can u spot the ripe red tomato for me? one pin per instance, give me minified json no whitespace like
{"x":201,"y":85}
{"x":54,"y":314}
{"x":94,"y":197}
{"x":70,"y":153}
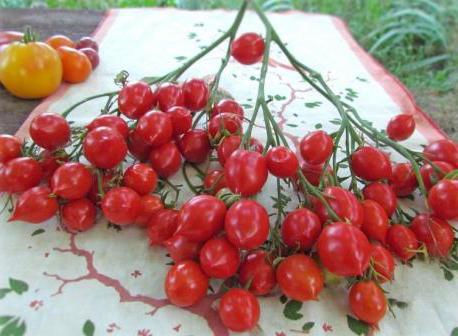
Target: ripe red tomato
{"x":155,"y":128}
{"x":443,"y":199}
{"x":3,"y":186}
{"x":227,"y":106}
{"x":435,"y":233}
{"x":431,"y":175}
{"x":400,"y":127}
{"x":301,"y":229}
{"x":195,"y":146}
{"x":108,"y":181}
{"x":383,"y":263}
{"x":10,"y":147}
{"x":383,"y":194}
{"x":169,"y":95}
{"x":314,"y":173}
{"x":162,"y":226}
{"x":137,"y":147}
{"x":92,"y":55}
{"x":300,"y":278}
{"x":442,"y":150}
{"x":71,"y":181}
{"x":344,"y":249}
{"x":316,"y":147}
{"x":166,"y":159}
{"x":181,"y":119}
{"x":402,"y":241}
{"x":116,"y":123}
{"x":239,"y":310}
{"x":248,"y":48}
{"x":257,"y":271}
{"x":87,"y":42}
{"x":375,"y":224}
{"x":201,"y":218}
{"x":231,"y":143}
{"x":35,"y":205}
{"x":247,"y":224}
{"x":78,"y":215}
{"x":141,"y":178}
{"x":224,"y":124}
{"x":50,"y":161}
{"x":185,"y":284}
{"x":149,"y":205}
{"x":50,"y":131}
{"x":219,"y":258}
{"x":195,"y":93}
{"x":344,"y":204}
{"x":403,"y":179}
{"x":214,"y":181}
{"x":121,"y":205}
{"x":181,"y":248}
{"x":21,"y":174}
{"x":370,"y":163}
{"x":245,"y":172}
{"x":97,"y":143}
{"x":282,"y":162}
{"x":367,"y":301}
{"x":135,"y":99}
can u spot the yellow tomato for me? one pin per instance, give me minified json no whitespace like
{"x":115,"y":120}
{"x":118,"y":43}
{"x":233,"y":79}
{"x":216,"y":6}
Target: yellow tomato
{"x":30,"y":70}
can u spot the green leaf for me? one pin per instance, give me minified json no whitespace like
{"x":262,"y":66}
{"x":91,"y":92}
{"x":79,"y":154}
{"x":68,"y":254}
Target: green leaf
{"x":308,"y":326}
{"x":291,"y":125}
{"x":318,"y":126}
{"x":247,"y":106}
{"x":313,"y":104}
{"x":3,"y":292}
{"x":192,"y":35}
{"x":18,"y":286}
{"x":283,"y":299}
{"x":357,"y":326}
{"x":180,"y":58}
{"x":88,"y":328}
{"x":37,"y":232}
{"x":13,"y":328}
{"x":278,"y":97}
{"x":454,"y":332}
{"x":447,"y":274}
{"x":291,"y":310}
{"x":4,"y":319}
{"x":397,"y":303}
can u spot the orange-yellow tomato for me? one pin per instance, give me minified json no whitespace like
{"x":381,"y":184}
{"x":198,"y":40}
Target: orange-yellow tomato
{"x":76,"y":65}
{"x":57,"y":41}
{"x":30,"y":70}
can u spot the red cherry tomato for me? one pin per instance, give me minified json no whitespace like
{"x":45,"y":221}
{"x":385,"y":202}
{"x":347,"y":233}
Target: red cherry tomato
{"x":375,"y":223}
{"x":383,"y":194}
{"x":248,"y":48}
{"x":155,"y":128}
{"x":137,"y":147}
{"x":223,"y":124}
{"x":316,"y":147}
{"x":201,"y":218}
{"x":104,"y":148}
{"x":185,"y":284}
{"x":442,"y":150}
{"x":403,"y":179}
{"x":181,"y":248}
{"x":169,"y":95}
{"x":247,"y":224}
{"x":162,"y":226}
{"x":239,"y":310}
{"x":258,"y":271}
{"x":435,"y":233}
{"x":402,"y":242}
{"x":344,"y":204}
{"x":71,"y":181}
{"x":34,"y":206}
{"x":219,"y":258}
{"x":181,"y":119}
{"x":245,"y":172}
{"x":79,"y":215}
{"x":195,"y":146}
{"x":149,"y":205}
{"x":370,"y":163}
{"x":116,"y":123}
{"x":135,"y":99}
{"x":383,"y":263}
{"x":231,"y":143}
{"x":87,"y":42}
{"x":344,"y":249}
{"x":227,"y":106}
{"x":121,"y":205}
{"x":282,"y":162}
{"x":214,"y":181}
{"x":50,"y":131}
{"x":92,"y":55}
{"x":314,"y":173}
{"x":141,"y":178}
{"x":400,"y":127}
{"x":166,"y":159}
{"x":301,"y":229}
{"x":433,"y":174}
{"x":300,"y":278}
{"x":10,"y":147}
{"x":3,"y":186}
{"x":443,"y":199}
{"x":21,"y":174}
{"x":50,"y":161}
{"x":108,"y":181}
{"x":367,"y":301}
{"x":195,"y":93}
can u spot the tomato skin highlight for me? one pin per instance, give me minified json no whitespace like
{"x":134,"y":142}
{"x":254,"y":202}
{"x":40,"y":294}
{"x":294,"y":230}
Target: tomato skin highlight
{"x":35,"y":206}
{"x":370,"y":164}
{"x":155,"y":128}
{"x":50,"y":131}
{"x":21,"y":174}
{"x":71,"y":181}
{"x":135,"y":99}
{"x":121,"y":205}
{"x":402,"y":242}
{"x":400,"y":127}
{"x":95,"y":147}
{"x":165,"y":159}
{"x":367,"y":301}
{"x":257,"y":269}
{"x":282,"y":162}
{"x":239,"y":310}
{"x":78,"y":215}
{"x":248,"y":48}
{"x":316,"y":147}
{"x":383,"y":194}
{"x":195,"y":92}
{"x":301,"y":228}
{"x":375,"y":224}
{"x":169,"y":95}
{"x":219,"y":258}
{"x":443,"y":199}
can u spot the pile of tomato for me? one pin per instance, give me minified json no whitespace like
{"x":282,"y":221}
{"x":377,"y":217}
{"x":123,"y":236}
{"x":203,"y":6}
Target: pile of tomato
{"x":76,"y":172}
